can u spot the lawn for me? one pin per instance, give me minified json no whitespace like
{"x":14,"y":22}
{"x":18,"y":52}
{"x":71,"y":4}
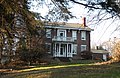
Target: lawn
{"x":83,"y":69}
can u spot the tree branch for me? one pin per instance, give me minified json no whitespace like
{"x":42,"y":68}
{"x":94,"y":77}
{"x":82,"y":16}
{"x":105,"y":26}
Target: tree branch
{"x":90,"y":6}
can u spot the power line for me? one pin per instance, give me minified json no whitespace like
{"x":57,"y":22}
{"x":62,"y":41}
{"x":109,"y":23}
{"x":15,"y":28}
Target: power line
{"x":105,"y":30}
{"x":117,"y":28}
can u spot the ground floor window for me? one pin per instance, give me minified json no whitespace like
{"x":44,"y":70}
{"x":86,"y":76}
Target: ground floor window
{"x":83,"y":47}
{"x":48,"y":47}
{"x":74,"y":48}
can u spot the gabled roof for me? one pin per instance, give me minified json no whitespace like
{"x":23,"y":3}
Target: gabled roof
{"x":63,"y":25}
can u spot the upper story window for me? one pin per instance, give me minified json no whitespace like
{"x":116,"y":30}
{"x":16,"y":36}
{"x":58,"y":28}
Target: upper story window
{"x":61,"y":33}
{"x":74,"y":34}
{"x":48,"y":33}
{"x":83,"y":47}
{"x":83,"y":35}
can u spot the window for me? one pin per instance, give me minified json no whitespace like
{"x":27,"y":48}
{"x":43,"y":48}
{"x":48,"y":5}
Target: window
{"x":83,"y":47}
{"x":75,"y":49}
{"x":18,"y":22}
{"x":74,"y":34}
{"x":48,"y":47}
{"x":83,"y":35}
{"x":48,"y":33}
{"x":61,"y":33}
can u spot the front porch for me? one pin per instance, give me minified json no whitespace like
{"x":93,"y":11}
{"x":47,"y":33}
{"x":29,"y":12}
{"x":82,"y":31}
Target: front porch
{"x":62,"y":50}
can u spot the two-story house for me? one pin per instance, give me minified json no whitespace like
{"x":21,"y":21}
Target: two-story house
{"x":67,"y":39}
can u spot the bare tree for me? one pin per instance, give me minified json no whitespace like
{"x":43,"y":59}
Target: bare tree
{"x":116,"y":52}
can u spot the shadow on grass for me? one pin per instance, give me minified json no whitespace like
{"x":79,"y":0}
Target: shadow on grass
{"x":69,"y":71}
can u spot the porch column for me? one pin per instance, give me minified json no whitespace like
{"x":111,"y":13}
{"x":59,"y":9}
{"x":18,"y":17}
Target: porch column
{"x":59,"y":49}
{"x":54,"y":53}
{"x":71,"y":50}
{"x":67,"y":50}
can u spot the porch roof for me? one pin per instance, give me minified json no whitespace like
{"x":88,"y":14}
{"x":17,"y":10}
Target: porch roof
{"x":100,"y":51}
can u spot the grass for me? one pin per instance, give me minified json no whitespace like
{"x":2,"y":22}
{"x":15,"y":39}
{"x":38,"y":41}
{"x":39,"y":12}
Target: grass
{"x":82,"y":69}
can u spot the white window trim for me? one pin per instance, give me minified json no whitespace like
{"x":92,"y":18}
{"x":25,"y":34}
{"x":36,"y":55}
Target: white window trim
{"x":74,"y":34}
{"x":75,"y":48}
{"x":48,"y":32}
{"x":83,"y":46}
{"x":83,"y":35}
{"x":58,"y":32}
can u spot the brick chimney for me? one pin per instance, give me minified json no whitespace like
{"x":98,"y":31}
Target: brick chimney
{"x":84,"y":21}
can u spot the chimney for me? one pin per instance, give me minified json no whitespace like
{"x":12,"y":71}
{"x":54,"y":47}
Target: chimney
{"x":84,"y":21}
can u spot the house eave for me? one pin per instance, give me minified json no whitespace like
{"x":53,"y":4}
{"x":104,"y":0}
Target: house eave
{"x":99,"y":51}
{"x":66,"y":27}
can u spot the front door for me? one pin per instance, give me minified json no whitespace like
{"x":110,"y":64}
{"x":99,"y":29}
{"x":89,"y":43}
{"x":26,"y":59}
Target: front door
{"x":63,"y":50}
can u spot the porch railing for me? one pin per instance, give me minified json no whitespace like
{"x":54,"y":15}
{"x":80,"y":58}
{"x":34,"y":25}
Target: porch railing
{"x":58,"y":38}
{"x":57,"y":54}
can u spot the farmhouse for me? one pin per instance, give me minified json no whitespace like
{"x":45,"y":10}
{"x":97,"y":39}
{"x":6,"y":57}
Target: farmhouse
{"x":67,"y":39}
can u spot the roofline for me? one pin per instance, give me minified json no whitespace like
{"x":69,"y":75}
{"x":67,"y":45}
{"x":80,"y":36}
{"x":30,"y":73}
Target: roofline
{"x":99,"y":51}
{"x":66,"y":27}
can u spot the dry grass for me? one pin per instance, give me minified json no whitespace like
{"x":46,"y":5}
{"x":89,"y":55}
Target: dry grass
{"x":69,"y":70}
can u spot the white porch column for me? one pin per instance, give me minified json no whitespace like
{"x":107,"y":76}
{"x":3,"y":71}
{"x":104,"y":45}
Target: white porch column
{"x":67,"y":50}
{"x":59,"y":49}
{"x":54,"y":50}
{"x":71,"y":50}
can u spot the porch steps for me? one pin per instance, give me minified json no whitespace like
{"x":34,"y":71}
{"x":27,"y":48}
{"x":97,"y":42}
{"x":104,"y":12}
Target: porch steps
{"x":64,"y":59}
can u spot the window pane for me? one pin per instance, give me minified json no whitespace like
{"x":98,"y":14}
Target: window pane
{"x":75,"y":49}
{"x":83,"y":35}
{"x":74,"y":34}
{"x":48,"y":33}
{"x":83,"y":47}
{"x":48,"y":47}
